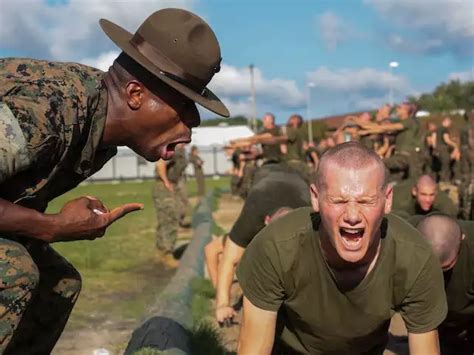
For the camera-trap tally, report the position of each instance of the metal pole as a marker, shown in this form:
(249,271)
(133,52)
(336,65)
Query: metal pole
(254,98)
(390,93)
(308,116)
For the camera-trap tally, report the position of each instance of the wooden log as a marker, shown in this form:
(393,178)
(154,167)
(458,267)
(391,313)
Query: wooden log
(167,327)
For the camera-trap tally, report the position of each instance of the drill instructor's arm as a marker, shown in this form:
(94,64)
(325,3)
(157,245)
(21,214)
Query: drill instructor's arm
(257,332)
(82,218)
(230,258)
(424,343)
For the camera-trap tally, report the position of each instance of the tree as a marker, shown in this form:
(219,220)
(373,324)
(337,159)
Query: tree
(447,96)
(231,121)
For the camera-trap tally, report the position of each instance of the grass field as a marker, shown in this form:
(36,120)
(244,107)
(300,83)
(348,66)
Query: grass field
(120,276)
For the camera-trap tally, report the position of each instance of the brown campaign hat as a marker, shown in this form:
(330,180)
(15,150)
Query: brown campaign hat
(177,47)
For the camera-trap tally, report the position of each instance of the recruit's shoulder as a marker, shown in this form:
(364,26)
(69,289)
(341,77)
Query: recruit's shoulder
(402,231)
(467,227)
(409,246)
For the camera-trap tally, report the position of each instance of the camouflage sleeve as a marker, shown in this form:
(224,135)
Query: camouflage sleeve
(14,154)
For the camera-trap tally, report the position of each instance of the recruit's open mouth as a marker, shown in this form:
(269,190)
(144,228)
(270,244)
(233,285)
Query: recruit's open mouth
(352,237)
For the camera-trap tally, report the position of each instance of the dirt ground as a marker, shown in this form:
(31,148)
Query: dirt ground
(228,211)
(112,331)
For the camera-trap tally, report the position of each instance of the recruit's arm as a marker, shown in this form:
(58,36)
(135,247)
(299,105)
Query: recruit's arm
(263,138)
(230,258)
(447,139)
(424,343)
(375,128)
(162,173)
(257,332)
(315,158)
(212,251)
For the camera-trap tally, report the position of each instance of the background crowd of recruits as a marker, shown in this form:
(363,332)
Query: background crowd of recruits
(351,255)
(409,148)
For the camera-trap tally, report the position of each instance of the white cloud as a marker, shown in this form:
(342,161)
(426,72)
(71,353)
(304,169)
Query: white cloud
(332,29)
(234,83)
(70,31)
(356,89)
(103,61)
(445,24)
(239,107)
(462,76)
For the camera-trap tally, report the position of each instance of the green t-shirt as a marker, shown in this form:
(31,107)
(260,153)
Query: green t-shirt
(409,138)
(440,143)
(460,286)
(405,205)
(367,141)
(275,186)
(296,138)
(464,134)
(283,269)
(271,152)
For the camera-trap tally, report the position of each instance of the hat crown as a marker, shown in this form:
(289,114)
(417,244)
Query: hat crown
(186,42)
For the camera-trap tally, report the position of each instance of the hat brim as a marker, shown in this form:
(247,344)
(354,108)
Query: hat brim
(122,39)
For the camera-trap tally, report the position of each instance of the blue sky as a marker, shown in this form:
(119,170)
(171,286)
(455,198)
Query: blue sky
(342,46)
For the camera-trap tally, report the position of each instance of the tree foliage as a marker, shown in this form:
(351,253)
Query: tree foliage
(447,96)
(231,121)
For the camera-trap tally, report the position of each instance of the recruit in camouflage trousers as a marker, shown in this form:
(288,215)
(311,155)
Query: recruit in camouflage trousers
(197,163)
(52,116)
(171,206)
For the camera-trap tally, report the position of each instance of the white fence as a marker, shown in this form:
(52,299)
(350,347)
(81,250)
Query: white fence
(127,165)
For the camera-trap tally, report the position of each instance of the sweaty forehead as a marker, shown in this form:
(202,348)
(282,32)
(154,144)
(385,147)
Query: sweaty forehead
(351,181)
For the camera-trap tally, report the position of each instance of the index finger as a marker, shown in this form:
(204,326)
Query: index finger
(119,212)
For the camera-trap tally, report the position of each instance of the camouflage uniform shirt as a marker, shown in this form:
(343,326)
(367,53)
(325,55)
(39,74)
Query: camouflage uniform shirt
(51,124)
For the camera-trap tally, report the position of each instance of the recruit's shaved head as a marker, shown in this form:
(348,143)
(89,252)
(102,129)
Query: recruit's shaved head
(444,234)
(425,180)
(350,155)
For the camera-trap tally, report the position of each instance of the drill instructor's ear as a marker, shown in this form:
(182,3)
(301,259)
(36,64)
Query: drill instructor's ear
(135,93)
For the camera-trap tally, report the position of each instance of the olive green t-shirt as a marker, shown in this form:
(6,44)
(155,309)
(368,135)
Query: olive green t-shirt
(367,141)
(464,134)
(275,187)
(409,138)
(283,269)
(440,143)
(271,152)
(460,285)
(296,137)
(405,204)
